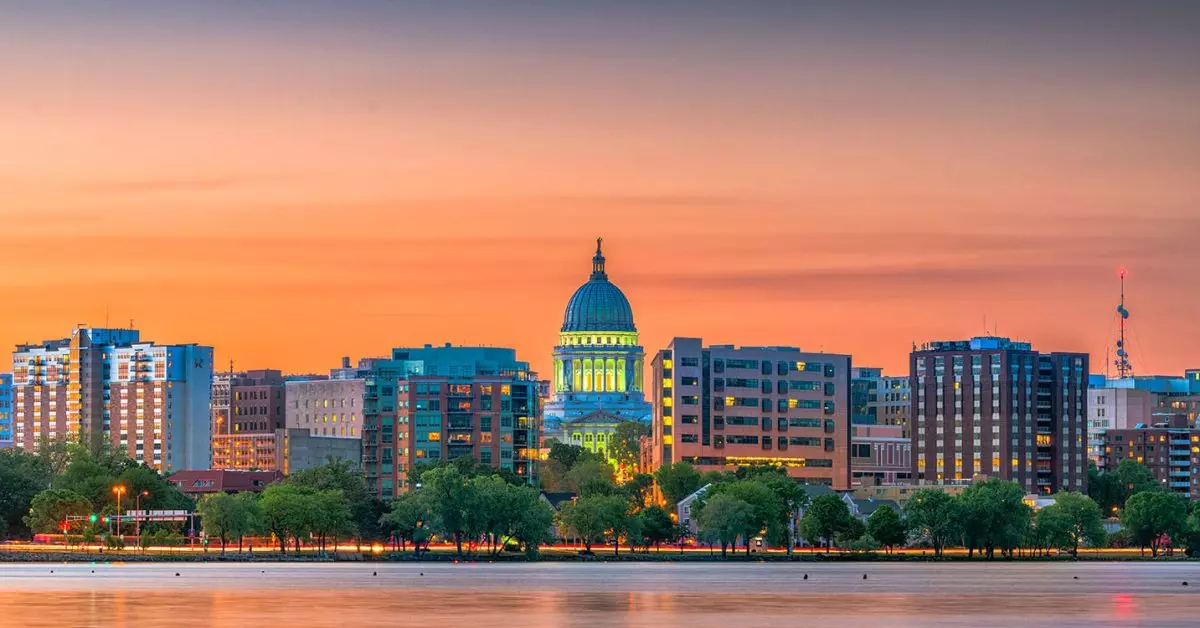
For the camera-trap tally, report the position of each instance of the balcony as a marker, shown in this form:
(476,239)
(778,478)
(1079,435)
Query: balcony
(1180,485)
(1181,442)
(1179,474)
(1180,463)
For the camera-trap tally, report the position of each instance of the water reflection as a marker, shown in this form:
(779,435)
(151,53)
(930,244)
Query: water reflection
(598,595)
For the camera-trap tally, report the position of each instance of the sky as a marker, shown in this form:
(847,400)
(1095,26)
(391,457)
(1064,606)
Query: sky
(296,181)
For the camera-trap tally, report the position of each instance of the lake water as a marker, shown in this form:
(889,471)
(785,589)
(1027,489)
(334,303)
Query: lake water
(546,595)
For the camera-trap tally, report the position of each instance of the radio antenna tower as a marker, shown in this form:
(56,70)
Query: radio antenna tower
(1124,368)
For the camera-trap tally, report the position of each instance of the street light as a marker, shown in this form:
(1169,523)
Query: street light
(119,490)
(137,516)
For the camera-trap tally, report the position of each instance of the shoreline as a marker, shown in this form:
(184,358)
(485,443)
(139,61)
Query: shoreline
(18,557)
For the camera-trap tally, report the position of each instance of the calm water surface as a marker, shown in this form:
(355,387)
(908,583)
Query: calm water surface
(600,595)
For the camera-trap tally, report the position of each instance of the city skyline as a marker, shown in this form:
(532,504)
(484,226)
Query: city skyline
(846,181)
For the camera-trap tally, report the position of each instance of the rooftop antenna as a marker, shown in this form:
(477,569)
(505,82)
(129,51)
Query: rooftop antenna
(1124,368)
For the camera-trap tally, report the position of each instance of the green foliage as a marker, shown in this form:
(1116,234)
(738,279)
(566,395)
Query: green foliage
(591,518)
(22,477)
(1192,532)
(340,475)
(1050,529)
(677,480)
(656,526)
(887,527)
(1152,518)
(864,543)
(591,476)
(450,502)
(1111,489)
(824,519)
(724,518)
(409,520)
(993,515)
(1082,518)
(625,446)
(933,515)
(286,512)
(638,489)
(51,507)
(769,510)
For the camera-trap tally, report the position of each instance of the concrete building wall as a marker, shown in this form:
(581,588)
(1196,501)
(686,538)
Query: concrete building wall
(332,407)
(301,450)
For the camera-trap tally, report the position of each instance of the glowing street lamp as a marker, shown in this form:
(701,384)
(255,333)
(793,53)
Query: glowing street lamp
(119,490)
(137,517)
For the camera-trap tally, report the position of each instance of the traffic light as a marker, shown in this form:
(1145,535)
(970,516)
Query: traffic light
(92,518)
(105,520)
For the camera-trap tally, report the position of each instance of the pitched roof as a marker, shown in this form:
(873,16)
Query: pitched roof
(597,417)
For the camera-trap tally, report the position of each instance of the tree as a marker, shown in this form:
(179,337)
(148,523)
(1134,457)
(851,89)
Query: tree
(770,513)
(934,515)
(532,527)
(330,517)
(450,501)
(993,515)
(1083,520)
(1153,517)
(638,489)
(826,517)
(1104,489)
(217,514)
(285,510)
(887,528)
(592,477)
(247,519)
(1051,528)
(1134,477)
(656,526)
(587,518)
(723,518)
(625,446)
(618,519)
(791,499)
(341,475)
(677,481)
(22,477)
(1192,531)
(408,519)
(50,508)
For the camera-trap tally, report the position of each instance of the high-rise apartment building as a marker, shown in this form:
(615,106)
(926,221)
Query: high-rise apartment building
(151,401)
(5,410)
(431,403)
(720,407)
(247,412)
(994,407)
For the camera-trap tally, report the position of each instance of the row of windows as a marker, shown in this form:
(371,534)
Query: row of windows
(781,368)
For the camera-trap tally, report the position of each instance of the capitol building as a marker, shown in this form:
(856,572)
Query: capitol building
(598,362)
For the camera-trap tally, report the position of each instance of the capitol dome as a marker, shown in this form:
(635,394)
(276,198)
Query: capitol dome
(598,305)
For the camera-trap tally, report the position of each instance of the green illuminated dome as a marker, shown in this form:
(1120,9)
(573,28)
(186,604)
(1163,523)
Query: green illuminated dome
(598,305)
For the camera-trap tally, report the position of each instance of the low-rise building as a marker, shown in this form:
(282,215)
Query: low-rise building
(1170,450)
(197,483)
(880,454)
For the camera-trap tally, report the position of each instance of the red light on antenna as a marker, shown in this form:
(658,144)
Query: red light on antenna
(1122,272)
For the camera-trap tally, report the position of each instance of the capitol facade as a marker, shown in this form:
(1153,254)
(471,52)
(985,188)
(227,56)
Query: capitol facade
(598,362)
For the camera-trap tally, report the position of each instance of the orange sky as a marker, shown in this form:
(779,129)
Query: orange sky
(291,187)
